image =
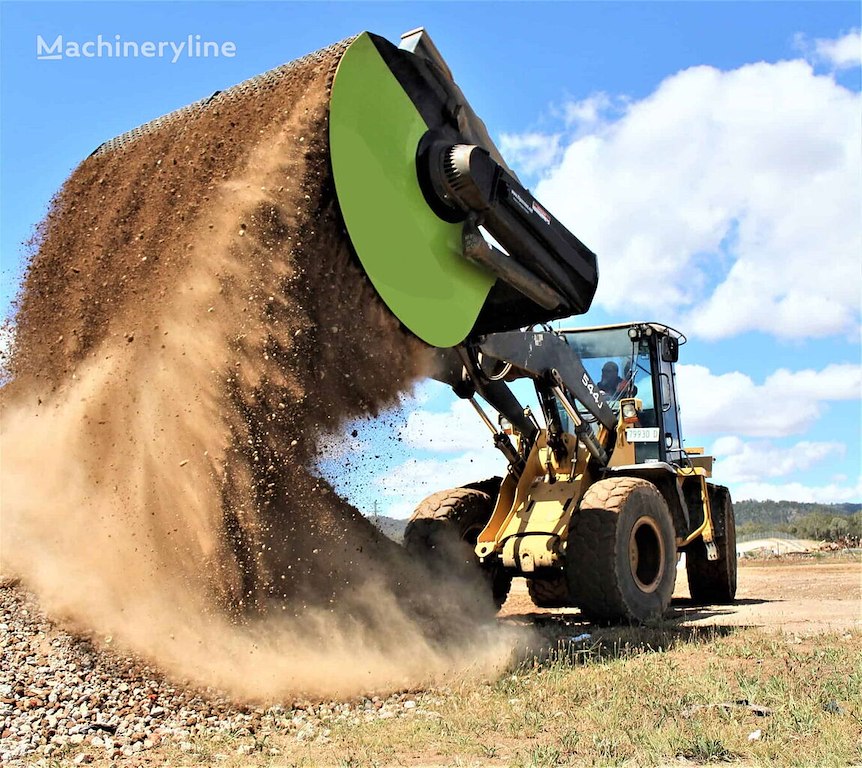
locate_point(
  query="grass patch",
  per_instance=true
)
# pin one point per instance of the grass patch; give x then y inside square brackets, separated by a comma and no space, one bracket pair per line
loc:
[634,697]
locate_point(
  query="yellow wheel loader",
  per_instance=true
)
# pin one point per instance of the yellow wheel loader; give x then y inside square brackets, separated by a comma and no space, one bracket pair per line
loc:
[599,496]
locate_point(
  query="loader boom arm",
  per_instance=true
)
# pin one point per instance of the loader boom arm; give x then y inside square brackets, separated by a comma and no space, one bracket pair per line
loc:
[542,356]
[547,355]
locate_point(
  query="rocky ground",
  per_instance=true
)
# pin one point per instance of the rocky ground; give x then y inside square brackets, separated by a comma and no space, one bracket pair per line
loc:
[69,699]
[64,699]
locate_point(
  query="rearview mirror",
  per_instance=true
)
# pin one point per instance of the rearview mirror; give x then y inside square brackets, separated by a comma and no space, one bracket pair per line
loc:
[669,349]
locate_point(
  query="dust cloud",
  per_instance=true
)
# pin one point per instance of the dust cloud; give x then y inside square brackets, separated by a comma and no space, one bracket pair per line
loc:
[192,322]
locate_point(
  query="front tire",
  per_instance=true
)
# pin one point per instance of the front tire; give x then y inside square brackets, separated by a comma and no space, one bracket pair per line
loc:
[621,552]
[443,532]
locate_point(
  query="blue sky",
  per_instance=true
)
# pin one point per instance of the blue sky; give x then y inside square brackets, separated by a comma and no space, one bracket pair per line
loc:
[704,150]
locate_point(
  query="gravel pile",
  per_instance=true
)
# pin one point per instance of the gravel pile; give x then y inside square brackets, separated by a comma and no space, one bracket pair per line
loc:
[71,698]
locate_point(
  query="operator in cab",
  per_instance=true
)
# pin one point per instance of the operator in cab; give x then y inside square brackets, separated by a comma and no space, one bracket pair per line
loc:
[610,383]
[614,386]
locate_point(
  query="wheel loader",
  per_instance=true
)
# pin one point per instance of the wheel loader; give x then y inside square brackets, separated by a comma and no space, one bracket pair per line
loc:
[599,495]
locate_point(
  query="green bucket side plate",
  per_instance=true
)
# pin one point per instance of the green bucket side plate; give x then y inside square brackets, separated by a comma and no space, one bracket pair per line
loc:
[412,257]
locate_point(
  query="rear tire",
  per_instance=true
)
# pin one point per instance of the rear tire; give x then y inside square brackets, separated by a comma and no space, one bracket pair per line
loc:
[713,582]
[549,593]
[621,552]
[443,531]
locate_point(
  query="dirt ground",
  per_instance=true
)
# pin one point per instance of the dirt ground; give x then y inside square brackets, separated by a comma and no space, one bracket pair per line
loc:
[798,595]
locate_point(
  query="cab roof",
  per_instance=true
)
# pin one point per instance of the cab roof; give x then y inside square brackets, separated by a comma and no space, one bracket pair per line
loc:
[658,328]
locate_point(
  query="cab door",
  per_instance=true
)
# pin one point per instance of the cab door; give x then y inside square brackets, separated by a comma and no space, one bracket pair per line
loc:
[666,353]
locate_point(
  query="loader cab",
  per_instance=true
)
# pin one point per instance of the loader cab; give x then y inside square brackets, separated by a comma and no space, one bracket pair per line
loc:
[643,356]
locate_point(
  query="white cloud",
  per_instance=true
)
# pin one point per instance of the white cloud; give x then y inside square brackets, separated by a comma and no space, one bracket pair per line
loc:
[406,485]
[844,52]
[738,461]
[830,493]
[400,510]
[590,115]
[750,469]
[786,403]
[458,429]
[530,153]
[588,112]
[422,393]
[727,200]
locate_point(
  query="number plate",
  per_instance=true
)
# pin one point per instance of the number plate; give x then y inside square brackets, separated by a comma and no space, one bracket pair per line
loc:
[642,434]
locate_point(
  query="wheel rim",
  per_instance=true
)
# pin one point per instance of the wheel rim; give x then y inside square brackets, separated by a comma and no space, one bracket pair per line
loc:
[646,554]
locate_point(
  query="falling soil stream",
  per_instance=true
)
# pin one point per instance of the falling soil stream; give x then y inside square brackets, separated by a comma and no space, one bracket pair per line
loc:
[192,320]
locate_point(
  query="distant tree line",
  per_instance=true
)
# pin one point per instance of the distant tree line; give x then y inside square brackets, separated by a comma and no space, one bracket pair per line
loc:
[829,522]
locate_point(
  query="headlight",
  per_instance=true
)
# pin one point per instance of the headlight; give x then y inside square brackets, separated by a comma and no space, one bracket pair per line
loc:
[629,411]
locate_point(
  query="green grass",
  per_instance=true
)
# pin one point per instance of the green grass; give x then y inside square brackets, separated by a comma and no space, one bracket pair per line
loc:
[636,697]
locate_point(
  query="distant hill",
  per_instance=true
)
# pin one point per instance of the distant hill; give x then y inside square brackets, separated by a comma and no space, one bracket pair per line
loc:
[782,512]
[389,526]
[807,520]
